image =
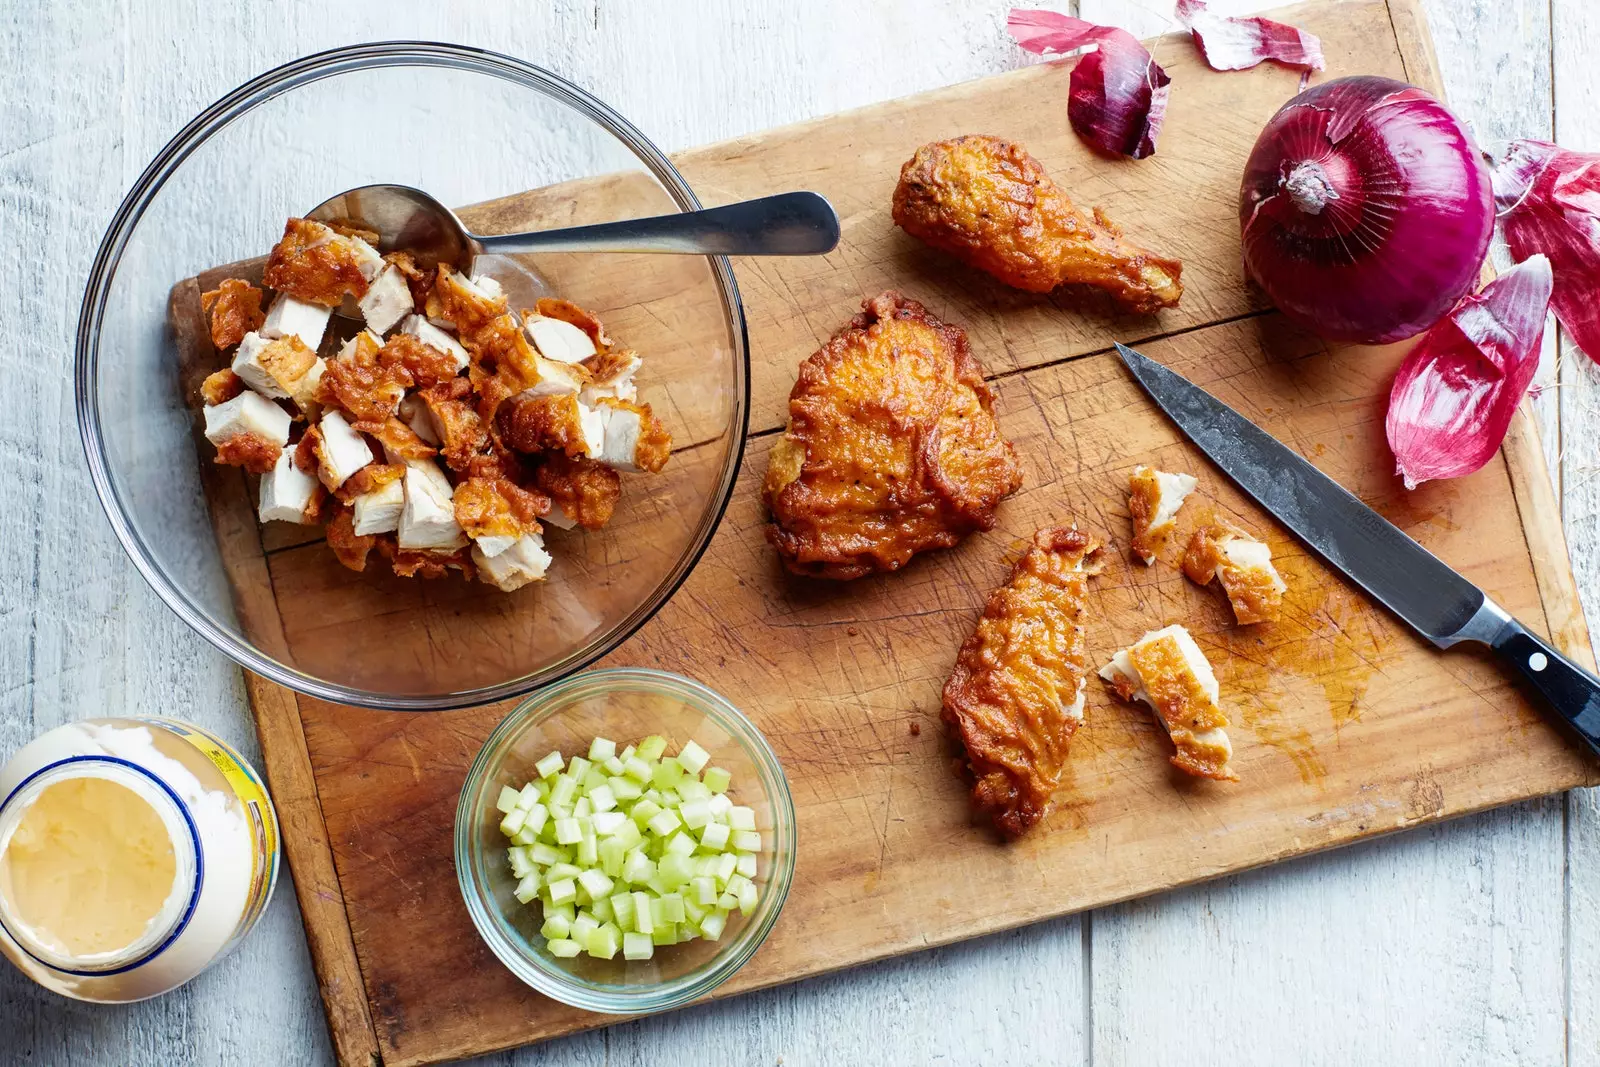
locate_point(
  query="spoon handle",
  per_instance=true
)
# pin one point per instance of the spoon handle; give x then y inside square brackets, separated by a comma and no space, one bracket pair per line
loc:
[789,224]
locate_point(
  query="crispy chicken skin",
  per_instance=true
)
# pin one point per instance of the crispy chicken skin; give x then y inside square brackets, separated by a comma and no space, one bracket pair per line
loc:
[1015,697]
[892,447]
[1154,498]
[989,204]
[1244,567]
[235,310]
[1167,670]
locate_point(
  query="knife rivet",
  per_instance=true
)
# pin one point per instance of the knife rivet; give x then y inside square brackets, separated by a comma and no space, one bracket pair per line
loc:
[1538,661]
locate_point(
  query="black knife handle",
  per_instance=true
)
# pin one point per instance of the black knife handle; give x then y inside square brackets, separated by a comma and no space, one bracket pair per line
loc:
[1573,692]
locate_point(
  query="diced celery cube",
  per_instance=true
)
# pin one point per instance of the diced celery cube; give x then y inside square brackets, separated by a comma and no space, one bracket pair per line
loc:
[694,911]
[645,810]
[742,818]
[568,832]
[626,753]
[612,766]
[550,765]
[520,863]
[589,850]
[583,924]
[657,886]
[628,833]
[593,778]
[720,805]
[564,792]
[595,883]
[695,813]
[726,863]
[577,767]
[669,798]
[714,837]
[525,836]
[663,822]
[613,854]
[534,817]
[705,891]
[665,934]
[712,925]
[674,870]
[527,888]
[706,866]
[717,779]
[689,789]
[693,757]
[747,840]
[637,868]
[653,795]
[638,770]
[566,911]
[681,844]
[561,869]
[542,854]
[625,789]
[643,919]
[747,897]
[563,891]
[601,799]
[603,942]
[563,948]
[652,747]
[602,911]
[555,927]
[583,808]
[670,908]
[667,773]
[601,749]
[529,796]
[637,947]
[728,901]
[507,800]
[687,932]
[513,822]
[621,905]
[606,823]
[737,883]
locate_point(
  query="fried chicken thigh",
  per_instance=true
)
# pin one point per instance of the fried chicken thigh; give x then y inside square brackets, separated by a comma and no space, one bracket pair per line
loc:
[1016,697]
[892,447]
[989,204]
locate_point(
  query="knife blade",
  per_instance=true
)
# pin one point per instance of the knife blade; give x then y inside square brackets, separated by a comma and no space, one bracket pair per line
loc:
[1413,583]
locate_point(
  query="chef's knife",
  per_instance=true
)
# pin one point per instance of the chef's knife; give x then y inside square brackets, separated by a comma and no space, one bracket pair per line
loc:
[1371,551]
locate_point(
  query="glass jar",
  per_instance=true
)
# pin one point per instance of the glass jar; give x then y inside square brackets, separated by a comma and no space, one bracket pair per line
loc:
[134,853]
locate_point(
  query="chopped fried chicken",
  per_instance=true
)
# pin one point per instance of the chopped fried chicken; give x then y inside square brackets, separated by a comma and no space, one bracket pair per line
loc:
[319,265]
[221,386]
[1166,670]
[550,423]
[456,301]
[1016,695]
[988,203]
[370,479]
[425,364]
[1154,498]
[461,431]
[235,309]
[1243,565]
[496,513]
[362,384]
[400,442]
[251,451]
[891,449]
[350,549]
[586,491]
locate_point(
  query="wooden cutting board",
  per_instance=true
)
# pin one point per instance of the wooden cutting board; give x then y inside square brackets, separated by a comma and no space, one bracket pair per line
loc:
[1346,725]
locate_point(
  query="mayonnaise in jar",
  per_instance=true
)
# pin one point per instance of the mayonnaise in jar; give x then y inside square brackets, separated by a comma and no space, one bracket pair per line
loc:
[134,853]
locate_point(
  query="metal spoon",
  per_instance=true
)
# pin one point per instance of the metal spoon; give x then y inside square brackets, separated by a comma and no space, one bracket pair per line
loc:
[789,224]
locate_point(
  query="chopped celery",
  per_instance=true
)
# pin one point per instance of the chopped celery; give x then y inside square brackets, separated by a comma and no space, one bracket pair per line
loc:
[613,854]
[674,870]
[666,774]
[741,818]
[513,822]
[637,946]
[717,780]
[568,831]
[694,911]
[720,805]
[736,883]
[564,911]
[624,789]
[645,810]
[669,907]
[728,901]
[665,934]
[577,767]
[712,925]
[726,863]
[507,801]
[550,765]
[593,778]
[643,918]
[527,888]
[637,868]
[588,850]
[705,891]
[563,948]
[652,747]
[747,840]
[529,796]
[607,823]
[583,808]
[637,769]
[601,799]
[622,910]
[602,911]
[689,789]
[663,822]
[747,897]
[595,883]
[562,891]
[555,927]
[693,757]
[583,925]
[714,837]
[601,749]
[603,942]
[626,753]
[612,766]
[560,870]
[681,844]
[746,864]
[525,836]
[534,817]
[517,856]
[628,833]
[695,813]
[563,791]
[543,854]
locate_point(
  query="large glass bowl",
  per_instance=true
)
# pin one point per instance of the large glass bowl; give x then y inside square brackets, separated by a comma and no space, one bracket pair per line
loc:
[470,127]
[624,705]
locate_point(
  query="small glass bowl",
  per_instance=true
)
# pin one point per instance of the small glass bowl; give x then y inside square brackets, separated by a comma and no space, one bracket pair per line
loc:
[623,704]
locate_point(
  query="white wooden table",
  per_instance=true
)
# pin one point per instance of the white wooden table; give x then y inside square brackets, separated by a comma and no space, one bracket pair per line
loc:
[1474,942]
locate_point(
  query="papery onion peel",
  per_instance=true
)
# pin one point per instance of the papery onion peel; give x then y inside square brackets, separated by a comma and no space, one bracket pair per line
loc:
[1240,43]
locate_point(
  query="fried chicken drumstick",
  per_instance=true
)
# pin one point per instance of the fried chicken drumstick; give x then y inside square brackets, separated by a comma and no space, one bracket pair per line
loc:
[892,447]
[989,204]
[1015,697]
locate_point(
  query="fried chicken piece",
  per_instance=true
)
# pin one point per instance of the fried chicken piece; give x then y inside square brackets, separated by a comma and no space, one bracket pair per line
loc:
[1244,567]
[892,447]
[369,479]
[221,386]
[989,204]
[555,308]
[461,432]
[550,423]
[350,549]
[1166,670]
[418,280]
[635,440]
[1154,498]
[400,442]
[585,491]
[315,263]
[457,301]
[1016,695]
[235,309]
[363,384]
[251,451]
[424,363]
[411,563]
[497,508]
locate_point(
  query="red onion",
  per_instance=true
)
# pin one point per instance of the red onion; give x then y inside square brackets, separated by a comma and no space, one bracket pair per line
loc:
[1366,210]
[1455,394]
[1240,43]
[1549,201]
[1117,95]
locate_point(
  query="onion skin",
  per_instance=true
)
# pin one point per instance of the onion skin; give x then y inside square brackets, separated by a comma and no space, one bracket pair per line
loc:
[1366,210]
